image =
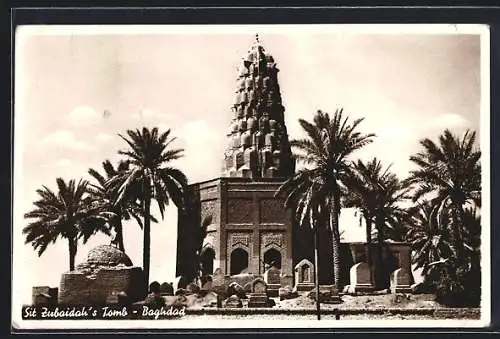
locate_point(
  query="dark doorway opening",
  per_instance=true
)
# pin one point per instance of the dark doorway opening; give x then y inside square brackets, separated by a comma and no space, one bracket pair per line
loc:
[239,261]
[207,261]
[272,257]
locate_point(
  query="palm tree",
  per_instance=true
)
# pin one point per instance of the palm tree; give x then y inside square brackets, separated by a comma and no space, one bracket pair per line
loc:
[102,193]
[149,178]
[317,190]
[301,192]
[376,193]
[451,172]
[429,236]
[68,213]
[199,235]
[456,280]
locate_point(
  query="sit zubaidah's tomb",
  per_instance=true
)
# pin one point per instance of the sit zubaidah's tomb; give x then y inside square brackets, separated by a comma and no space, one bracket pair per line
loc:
[234,225]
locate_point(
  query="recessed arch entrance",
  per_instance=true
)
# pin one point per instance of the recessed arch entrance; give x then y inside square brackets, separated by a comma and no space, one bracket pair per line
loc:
[207,260]
[272,257]
[239,261]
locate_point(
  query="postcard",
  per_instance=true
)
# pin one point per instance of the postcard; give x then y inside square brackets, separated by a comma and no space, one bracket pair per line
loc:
[251,176]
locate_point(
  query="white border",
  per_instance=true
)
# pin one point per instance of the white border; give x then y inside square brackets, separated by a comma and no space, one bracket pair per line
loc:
[212,322]
[391,29]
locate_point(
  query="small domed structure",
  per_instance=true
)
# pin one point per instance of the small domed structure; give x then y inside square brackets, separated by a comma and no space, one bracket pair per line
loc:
[98,280]
[106,255]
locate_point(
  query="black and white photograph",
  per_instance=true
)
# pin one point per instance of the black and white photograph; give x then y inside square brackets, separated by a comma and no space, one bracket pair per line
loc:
[251,176]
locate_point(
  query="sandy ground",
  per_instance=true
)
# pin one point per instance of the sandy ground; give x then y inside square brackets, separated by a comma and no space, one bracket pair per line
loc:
[406,301]
[279,317]
[371,302]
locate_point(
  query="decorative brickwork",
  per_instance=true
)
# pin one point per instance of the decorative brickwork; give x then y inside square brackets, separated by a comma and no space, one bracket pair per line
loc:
[208,209]
[272,211]
[240,211]
[239,239]
[269,239]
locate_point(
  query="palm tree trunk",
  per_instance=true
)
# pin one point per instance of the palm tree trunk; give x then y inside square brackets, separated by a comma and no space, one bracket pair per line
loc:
[369,241]
[316,270]
[147,239]
[119,235]
[369,254]
[72,253]
[380,270]
[457,214]
[336,257]
[334,225]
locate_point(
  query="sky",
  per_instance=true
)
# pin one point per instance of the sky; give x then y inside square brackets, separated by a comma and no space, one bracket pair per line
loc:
[77,89]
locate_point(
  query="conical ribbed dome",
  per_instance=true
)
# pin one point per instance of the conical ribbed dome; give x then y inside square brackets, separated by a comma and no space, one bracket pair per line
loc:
[258,145]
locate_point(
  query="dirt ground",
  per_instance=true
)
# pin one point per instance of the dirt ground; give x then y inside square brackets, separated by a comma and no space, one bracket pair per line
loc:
[406,301]
[279,317]
[349,302]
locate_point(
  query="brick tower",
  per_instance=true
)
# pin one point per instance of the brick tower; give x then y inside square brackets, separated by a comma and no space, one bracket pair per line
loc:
[235,223]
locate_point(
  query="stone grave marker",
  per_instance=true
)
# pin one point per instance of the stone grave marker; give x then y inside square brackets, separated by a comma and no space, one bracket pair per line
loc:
[360,278]
[45,295]
[235,289]
[400,281]
[304,276]
[41,299]
[259,286]
[207,286]
[192,288]
[273,281]
[166,289]
[233,302]
[258,297]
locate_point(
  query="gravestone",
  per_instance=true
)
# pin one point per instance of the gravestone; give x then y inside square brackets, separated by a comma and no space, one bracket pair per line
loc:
[218,277]
[400,281]
[180,291]
[41,299]
[248,287]
[258,297]
[233,302]
[207,286]
[206,282]
[192,288]
[361,278]
[259,286]
[220,282]
[44,295]
[304,276]
[166,289]
[273,281]
[235,289]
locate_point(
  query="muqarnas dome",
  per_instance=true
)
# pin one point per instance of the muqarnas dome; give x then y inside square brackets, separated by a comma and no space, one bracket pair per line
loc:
[257,139]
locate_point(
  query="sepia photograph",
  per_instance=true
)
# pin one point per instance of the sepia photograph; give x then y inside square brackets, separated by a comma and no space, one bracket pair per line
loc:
[251,176]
